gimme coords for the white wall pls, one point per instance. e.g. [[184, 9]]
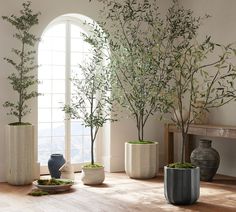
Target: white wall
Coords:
[[222, 27], [113, 153], [50, 10]]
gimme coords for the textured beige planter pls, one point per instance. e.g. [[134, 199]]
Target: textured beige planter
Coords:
[[93, 176], [142, 160], [20, 154]]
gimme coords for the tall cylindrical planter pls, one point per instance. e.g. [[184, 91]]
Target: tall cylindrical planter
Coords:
[[55, 162], [20, 154], [207, 158], [181, 185], [141, 160]]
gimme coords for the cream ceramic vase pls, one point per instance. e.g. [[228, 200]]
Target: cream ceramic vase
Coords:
[[93, 176], [141, 160], [20, 154]]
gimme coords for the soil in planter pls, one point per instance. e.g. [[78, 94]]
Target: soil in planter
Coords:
[[181, 165], [140, 142], [95, 165]]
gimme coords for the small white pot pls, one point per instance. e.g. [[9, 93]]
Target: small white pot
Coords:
[[142, 160], [92, 176], [20, 154]]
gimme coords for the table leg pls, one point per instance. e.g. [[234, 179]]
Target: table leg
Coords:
[[188, 148], [169, 145]]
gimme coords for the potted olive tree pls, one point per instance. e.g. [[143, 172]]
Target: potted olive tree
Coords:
[[20, 135], [201, 71], [91, 101], [135, 39]]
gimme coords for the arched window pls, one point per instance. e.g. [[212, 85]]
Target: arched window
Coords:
[[61, 49]]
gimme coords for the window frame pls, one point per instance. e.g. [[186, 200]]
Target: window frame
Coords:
[[68, 20]]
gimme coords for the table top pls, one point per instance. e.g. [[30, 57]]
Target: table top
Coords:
[[207, 130]]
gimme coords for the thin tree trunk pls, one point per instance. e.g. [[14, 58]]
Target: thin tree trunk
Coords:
[[139, 134], [142, 128], [92, 154], [184, 137], [91, 128], [138, 128], [21, 76]]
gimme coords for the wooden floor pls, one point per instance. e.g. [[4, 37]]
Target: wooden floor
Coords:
[[118, 193]]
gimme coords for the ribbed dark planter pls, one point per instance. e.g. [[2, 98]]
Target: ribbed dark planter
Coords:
[[54, 164], [207, 158], [181, 186]]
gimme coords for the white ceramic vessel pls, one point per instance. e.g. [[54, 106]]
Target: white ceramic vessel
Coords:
[[93, 176], [67, 171], [141, 160]]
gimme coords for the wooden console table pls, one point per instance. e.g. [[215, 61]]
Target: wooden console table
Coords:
[[203, 130]]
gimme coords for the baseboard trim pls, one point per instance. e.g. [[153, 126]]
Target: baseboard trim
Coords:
[[116, 163], [2, 174]]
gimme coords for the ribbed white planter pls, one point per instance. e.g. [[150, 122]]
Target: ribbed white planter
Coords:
[[20, 154], [141, 160], [93, 176]]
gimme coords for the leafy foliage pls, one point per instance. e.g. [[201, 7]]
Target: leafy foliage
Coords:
[[38, 192], [201, 70], [23, 79], [91, 101], [140, 142], [93, 166], [136, 37]]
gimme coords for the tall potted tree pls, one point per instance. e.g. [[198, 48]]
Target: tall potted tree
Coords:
[[91, 101], [200, 70], [135, 37], [20, 135]]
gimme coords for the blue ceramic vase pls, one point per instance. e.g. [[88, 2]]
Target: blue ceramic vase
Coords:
[[54, 164]]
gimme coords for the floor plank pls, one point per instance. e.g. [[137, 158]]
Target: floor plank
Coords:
[[119, 193]]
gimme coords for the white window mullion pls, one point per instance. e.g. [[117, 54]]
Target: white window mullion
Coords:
[[68, 91], [62, 36]]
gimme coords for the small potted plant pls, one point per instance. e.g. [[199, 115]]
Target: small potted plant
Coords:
[[20, 135], [135, 37], [91, 101], [195, 77]]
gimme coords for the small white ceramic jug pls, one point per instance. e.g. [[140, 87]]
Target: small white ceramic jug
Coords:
[[67, 171]]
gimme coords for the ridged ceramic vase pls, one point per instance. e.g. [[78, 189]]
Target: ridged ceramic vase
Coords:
[[207, 158], [20, 154], [181, 185], [55, 162], [141, 160]]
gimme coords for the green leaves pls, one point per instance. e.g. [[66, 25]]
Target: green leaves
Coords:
[[25, 20], [91, 101], [136, 40], [202, 73], [23, 78]]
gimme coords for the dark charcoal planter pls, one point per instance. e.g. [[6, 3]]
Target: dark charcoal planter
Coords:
[[181, 186], [207, 158], [54, 164]]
